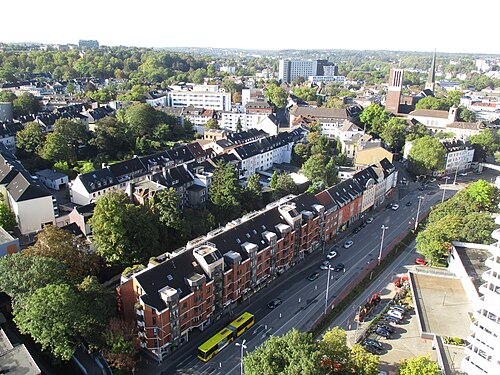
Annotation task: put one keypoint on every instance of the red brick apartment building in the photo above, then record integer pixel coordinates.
(199, 283)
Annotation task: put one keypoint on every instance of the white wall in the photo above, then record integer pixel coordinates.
(32, 214)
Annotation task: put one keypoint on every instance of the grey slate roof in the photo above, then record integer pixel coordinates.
(23, 188)
(98, 179)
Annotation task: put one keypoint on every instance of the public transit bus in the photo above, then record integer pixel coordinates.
(225, 336)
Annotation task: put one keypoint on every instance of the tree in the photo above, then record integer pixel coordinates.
(110, 136)
(21, 275)
(274, 180)
(60, 316)
(122, 232)
(293, 353)
(284, 186)
(430, 102)
(140, 120)
(31, 138)
(251, 195)
(224, 191)
(483, 193)
(374, 118)
(434, 242)
(487, 140)
(7, 217)
(467, 115)
(416, 131)
(121, 346)
(239, 128)
(62, 143)
(165, 205)
(362, 362)
(394, 133)
(25, 104)
(63, 246)
(276, 95)
(212, 124)
(57, 149)
(319, 168)
(7, 96)
(418, 366)
(303, 151)
(477, 228)
(426, 155)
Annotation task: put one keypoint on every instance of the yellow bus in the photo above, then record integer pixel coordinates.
(225, 336)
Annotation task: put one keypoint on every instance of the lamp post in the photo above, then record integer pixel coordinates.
(420, 198)
(243, 346)
(444, 190)
(381, 244)
(327, 288)
(455, 179)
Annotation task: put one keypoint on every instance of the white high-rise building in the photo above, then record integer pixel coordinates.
(291, 69)
(482, 355)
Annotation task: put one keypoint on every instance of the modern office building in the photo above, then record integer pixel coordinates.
(291, 69)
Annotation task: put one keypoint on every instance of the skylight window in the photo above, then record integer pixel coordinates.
(170, 277)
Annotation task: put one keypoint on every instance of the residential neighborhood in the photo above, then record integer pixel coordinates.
(203, 210)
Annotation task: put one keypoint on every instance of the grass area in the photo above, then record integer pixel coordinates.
(362, 286)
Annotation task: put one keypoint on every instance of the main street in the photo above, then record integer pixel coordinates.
(304, 300)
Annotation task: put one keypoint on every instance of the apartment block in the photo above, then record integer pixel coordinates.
(197, 284)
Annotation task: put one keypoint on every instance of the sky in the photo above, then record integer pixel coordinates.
(398, 25)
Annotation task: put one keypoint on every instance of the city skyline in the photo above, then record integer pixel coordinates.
(261, 25)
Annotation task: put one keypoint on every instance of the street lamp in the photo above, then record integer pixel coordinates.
(327, 287)
(455, 179)
(420, 199)
(444, 190)
(243, 346)
(381, 243)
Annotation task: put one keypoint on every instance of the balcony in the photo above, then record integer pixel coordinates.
(491, 297)
(470, 367)
(488, 277)
(493, 263)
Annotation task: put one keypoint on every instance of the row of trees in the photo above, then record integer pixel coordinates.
(22, 105)
(297, 353)
(465, 217)
(136, 129)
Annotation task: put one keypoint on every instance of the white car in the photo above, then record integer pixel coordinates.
(332, 254)
(369, 220)
(325, 265)
(348, 244)
(394, 207)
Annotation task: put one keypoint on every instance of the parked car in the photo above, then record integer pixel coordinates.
(325, 265)
(339, 267)
(383, 332)
(408, 204)
(348, 244)
(391, 318)
(356, 230)
(313, 276)
(394, 207)
(369, 220)
(399, 308)
(274, 303)
(371, 349)
(463, 174)
(386, 326)
(421, 261)
(398, 314)
(375, 343)
(332, 254)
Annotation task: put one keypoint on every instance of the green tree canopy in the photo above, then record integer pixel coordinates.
(7, 217)
(63, 246)
(487, 140)
(122, 232)
(434, 242)
(483, 193)
(166, 205)
(284, 186)
(21, 275)
(430, 102)
(31, 138)
(394, 133)
(374, 118)
(224, 191)
(276, 95)
(419, 366)
(426, 155)
(293, 353)
(25, 104)
(417, 130)
(319, 168)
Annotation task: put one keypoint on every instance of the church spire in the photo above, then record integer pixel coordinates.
(431, 78)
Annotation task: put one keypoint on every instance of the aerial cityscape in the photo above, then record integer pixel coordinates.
(188, 197)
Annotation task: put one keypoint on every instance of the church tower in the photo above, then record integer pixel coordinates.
(394, 89)
(431, 79)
